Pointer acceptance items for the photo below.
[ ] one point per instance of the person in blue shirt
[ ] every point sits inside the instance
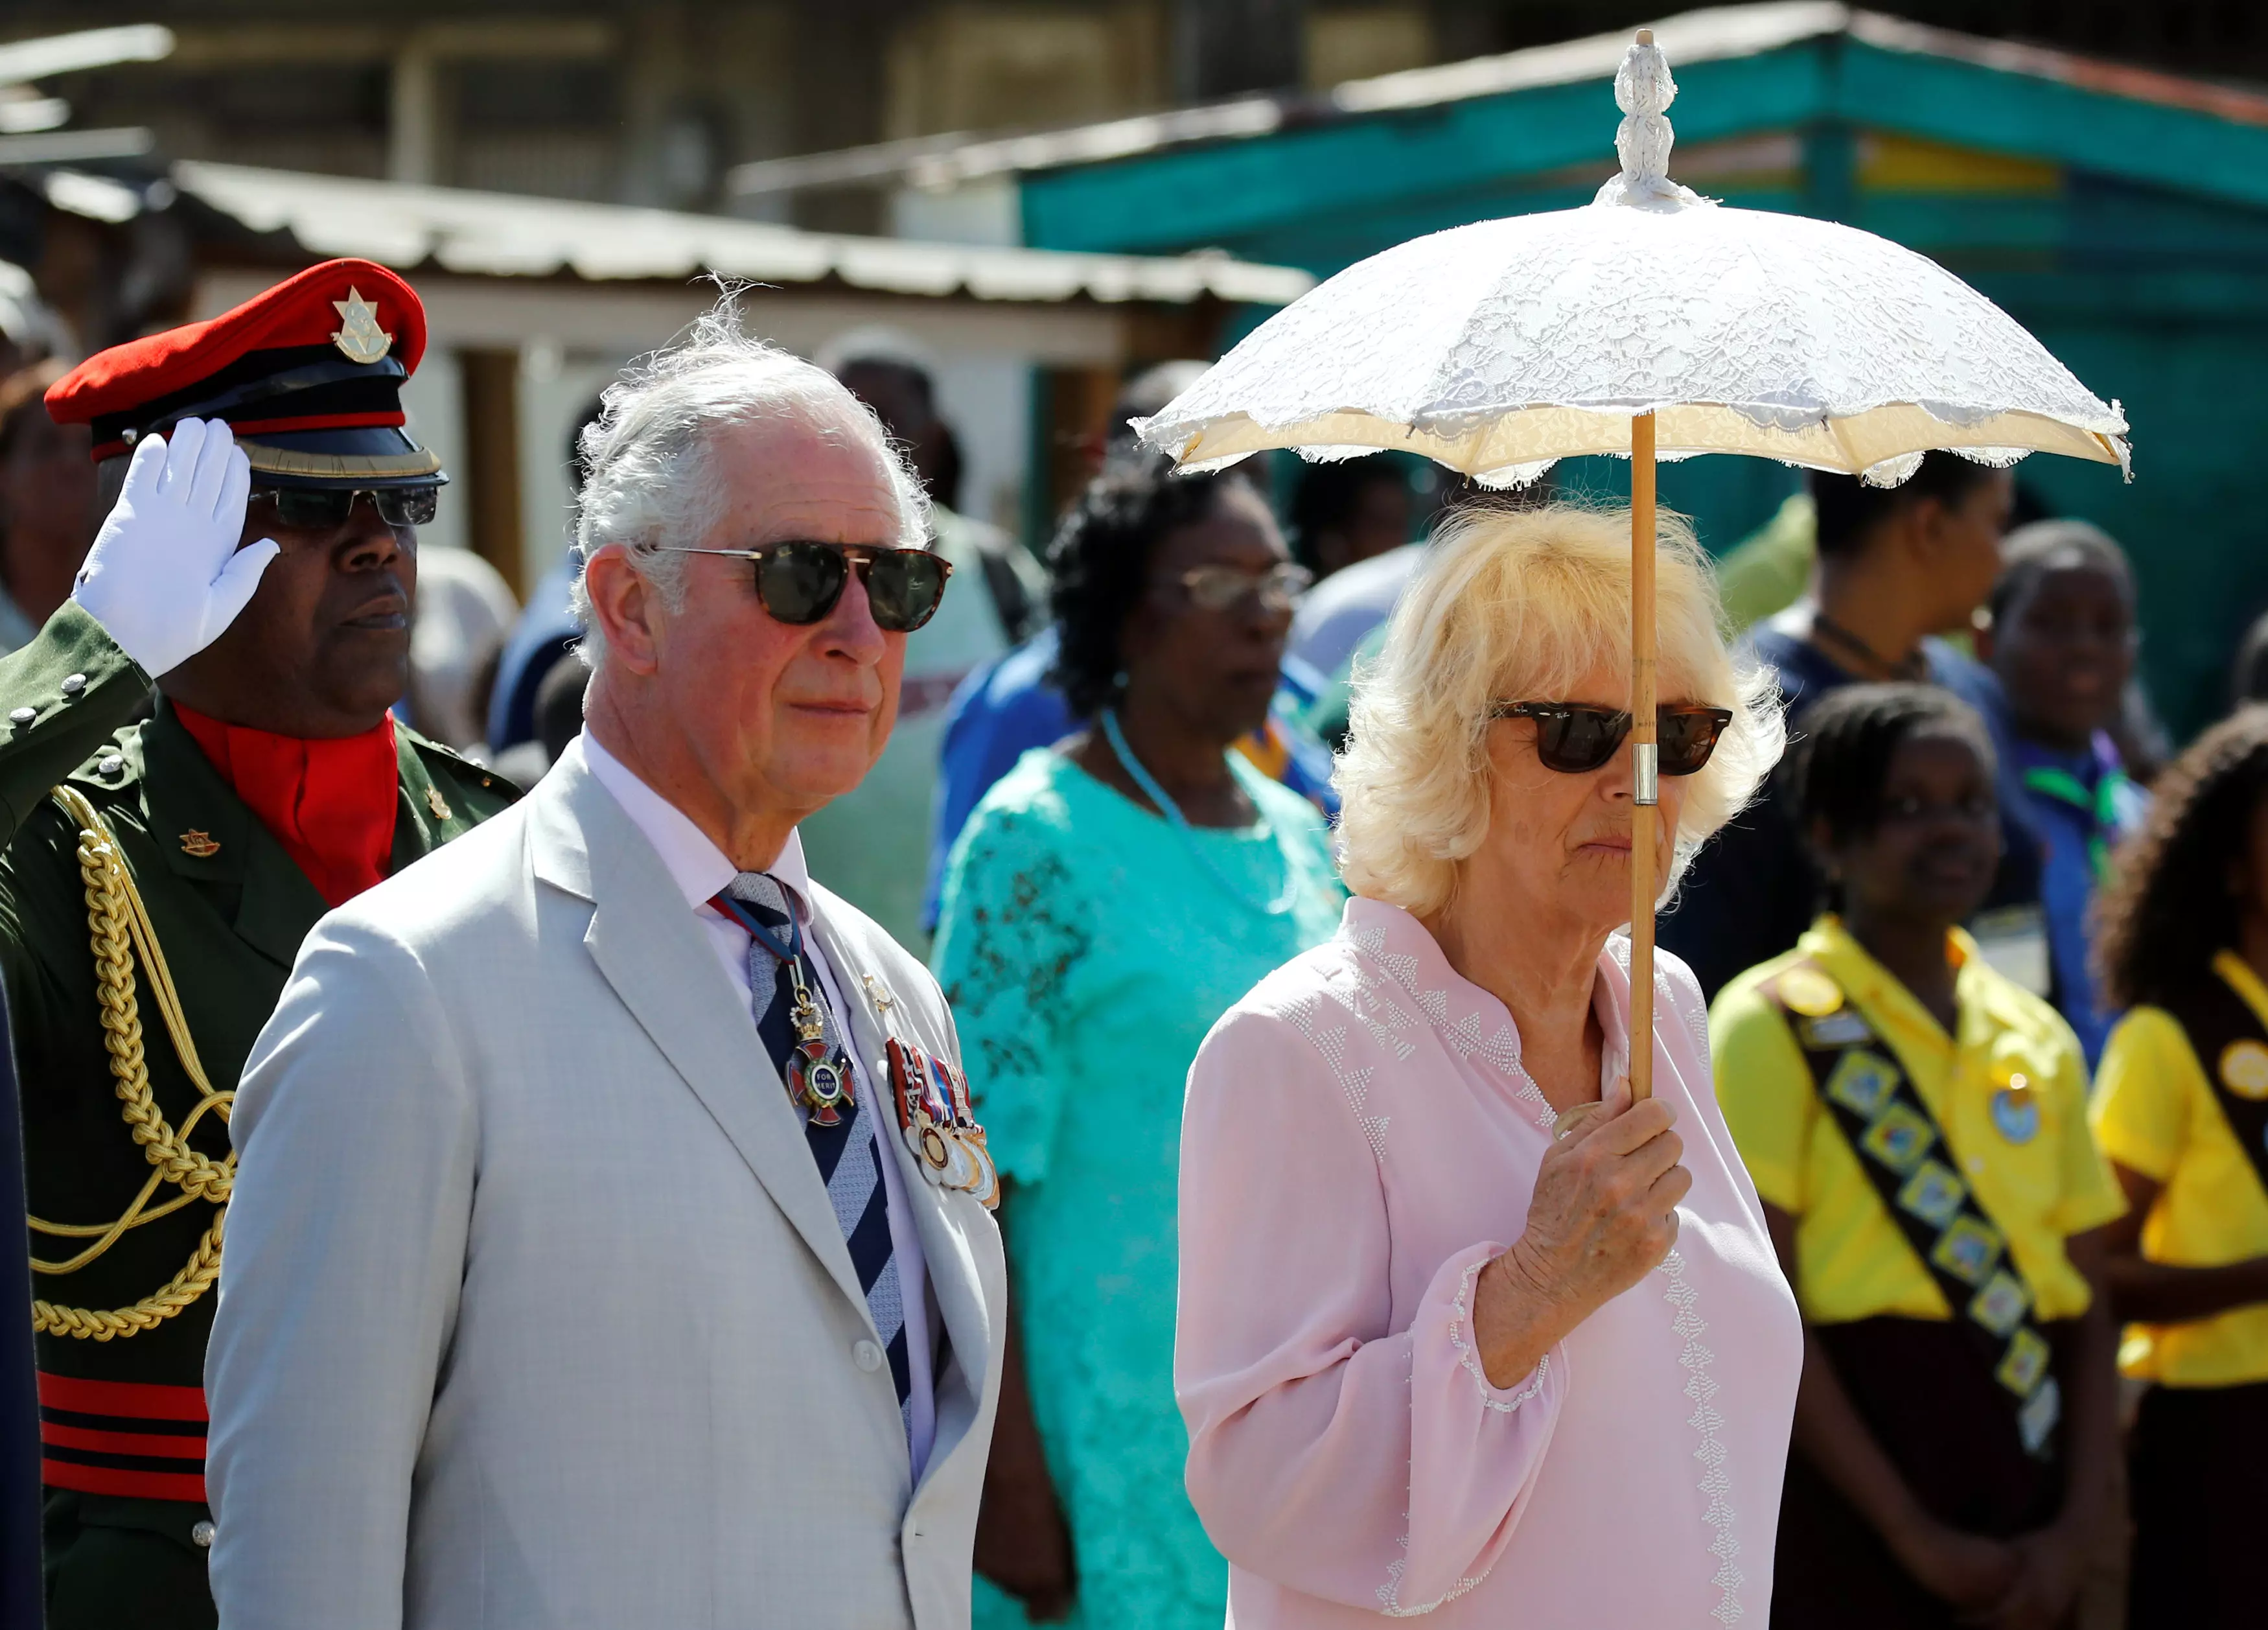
(1898, 567)
(2062, 643)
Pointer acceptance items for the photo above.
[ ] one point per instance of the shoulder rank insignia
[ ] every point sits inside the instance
(437, 804)
(202, 844)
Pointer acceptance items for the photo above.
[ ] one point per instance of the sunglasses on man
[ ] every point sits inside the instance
(800, 581)
(326, 509)
(1575, 737)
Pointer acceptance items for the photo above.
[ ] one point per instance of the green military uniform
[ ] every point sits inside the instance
(122, 1413)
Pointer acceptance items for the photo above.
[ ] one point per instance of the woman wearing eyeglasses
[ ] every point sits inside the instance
(1108, 900)
(1917, 1124)
(1465, 1332)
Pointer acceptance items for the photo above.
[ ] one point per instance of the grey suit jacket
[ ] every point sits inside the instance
(534, 1311)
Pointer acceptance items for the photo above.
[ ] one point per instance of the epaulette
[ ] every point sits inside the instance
(466, 772)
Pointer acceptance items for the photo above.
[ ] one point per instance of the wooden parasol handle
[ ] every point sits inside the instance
(1644, 753)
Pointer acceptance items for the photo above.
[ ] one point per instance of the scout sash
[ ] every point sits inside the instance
(2232, 1049)
(1905, 1155)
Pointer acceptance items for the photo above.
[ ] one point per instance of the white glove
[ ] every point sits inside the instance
(164, 577)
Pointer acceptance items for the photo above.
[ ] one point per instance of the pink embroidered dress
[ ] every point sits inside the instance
(1359, 1140)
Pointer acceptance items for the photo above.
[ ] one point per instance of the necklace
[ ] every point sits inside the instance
(1913, 667)
(1180, 823)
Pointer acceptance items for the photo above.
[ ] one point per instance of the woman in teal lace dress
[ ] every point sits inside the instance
(1110, 899)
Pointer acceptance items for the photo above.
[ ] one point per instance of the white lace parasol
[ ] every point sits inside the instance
(1500, 347)
(1654, 324)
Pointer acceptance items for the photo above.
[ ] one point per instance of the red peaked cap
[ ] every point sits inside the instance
(308, 375)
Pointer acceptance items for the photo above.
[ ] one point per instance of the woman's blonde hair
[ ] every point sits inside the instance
(1518, 605)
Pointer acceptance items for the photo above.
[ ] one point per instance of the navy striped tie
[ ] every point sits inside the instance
(848, 1159)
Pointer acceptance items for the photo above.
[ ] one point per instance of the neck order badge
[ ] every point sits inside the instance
(818, 1076)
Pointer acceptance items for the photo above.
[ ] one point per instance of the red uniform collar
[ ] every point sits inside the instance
(331, 803)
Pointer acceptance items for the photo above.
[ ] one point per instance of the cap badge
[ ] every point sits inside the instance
(359, 337)
(200, 844)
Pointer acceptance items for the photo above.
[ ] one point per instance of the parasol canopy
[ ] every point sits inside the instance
(1655, 324)
(1499, 347)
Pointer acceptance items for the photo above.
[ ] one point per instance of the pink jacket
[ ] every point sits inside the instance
(1359, 1140)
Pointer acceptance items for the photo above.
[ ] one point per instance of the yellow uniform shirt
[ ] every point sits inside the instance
(2155, 1114)
(1851, 1260)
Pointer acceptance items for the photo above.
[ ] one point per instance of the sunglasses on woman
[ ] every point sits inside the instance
(326, 509)
(1575, 737)
(800, 581)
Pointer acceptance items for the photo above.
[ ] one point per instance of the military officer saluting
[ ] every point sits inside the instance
(165, 858)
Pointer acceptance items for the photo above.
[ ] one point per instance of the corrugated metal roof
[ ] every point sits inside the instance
(1713, 33)
(508, 235)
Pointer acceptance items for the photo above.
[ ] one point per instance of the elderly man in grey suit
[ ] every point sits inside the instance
(583, 1269)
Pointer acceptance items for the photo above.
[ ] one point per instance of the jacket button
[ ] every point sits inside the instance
(73, 684)
(202, 1534)
(23, 715)
(867, 1357)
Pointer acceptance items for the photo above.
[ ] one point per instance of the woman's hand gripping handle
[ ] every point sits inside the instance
(1603, 1215)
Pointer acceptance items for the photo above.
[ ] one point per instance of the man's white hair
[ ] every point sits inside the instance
(650, 484)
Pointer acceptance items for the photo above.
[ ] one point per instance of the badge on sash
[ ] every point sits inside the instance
(2244, 1069)
(1810, 993)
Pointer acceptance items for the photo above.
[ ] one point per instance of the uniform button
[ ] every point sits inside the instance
(73, 684)
(111, 764)
(867, 1357)
(202, 1533)
(1976, 1165)
(23, 715)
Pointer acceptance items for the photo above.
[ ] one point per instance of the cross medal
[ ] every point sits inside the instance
(816, 1079)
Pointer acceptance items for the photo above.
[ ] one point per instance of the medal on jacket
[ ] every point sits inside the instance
(933, 1114)
(925, 1118)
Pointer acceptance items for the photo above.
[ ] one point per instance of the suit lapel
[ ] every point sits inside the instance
(648, 944)
(939, 1213)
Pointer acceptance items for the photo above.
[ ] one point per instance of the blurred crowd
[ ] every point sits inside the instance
(1975, 756)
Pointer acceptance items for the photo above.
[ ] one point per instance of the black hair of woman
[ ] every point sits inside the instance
(1850, 511)
(1840, 760)
(1099, 565)
(2175, 901)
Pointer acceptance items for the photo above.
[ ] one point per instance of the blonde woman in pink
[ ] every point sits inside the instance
(1463, 1331)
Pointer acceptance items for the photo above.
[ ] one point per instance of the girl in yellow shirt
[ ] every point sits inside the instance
(2182, 1110)
(1916, 1125)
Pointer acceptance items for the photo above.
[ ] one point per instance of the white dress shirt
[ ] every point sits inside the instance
(702, 871)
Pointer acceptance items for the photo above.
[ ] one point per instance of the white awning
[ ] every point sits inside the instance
(510, 235)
